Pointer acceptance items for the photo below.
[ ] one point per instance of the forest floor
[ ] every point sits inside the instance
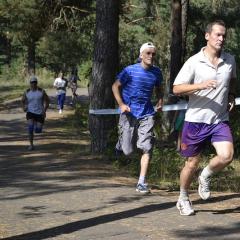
(60, 191)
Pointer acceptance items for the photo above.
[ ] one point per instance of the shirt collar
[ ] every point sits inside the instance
(204, 59)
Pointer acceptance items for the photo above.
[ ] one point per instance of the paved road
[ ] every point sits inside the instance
(60, 191)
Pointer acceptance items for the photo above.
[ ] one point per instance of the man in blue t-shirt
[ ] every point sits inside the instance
(133, 91)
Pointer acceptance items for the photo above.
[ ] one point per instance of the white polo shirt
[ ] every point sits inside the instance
(60, 84)
(209, 105)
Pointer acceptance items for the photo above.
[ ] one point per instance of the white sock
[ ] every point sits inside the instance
(183, 194)
(141, 180)
(206, 172)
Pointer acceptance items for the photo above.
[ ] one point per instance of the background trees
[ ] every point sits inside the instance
(46, 36)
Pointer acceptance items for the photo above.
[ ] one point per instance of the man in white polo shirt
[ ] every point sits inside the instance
(208, 78)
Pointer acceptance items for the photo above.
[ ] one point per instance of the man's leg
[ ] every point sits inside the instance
(126, 132)
(145, 143)
(223, 158)
(186, 177)
(59, 100)
(188, 172)
(30, 133)
(38, 127)
(63, 96)
(144, 167)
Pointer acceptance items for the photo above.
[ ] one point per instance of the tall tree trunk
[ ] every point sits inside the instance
(104, 69)
(176, 41)
(185, 6)
(31, 49)
(8, 52)
(177, 47)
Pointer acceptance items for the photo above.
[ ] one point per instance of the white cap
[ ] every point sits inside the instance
(146, 45)
(33, 79)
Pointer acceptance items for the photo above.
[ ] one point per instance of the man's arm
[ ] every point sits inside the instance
(232, 93)
(24, 102)
(55, 83)
(188, 89)
(46, 101)
(117, 94)
(159, 95)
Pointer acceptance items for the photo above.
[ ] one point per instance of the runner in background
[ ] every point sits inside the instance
(35, 103)
(72, 83)
(60, 83)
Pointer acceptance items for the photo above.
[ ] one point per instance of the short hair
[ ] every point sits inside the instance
(208, 28)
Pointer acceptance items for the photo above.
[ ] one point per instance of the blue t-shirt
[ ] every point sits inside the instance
(137, 88)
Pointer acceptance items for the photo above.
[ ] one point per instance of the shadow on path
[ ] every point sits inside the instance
(82, 224)
(211, 232)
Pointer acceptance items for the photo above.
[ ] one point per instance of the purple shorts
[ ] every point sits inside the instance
(195, 135)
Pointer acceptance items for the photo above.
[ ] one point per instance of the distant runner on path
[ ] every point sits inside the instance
(35, 103)
(60, 83)
(72, 83)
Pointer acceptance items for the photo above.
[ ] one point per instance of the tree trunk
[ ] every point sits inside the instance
(185, 5)
(104, 69)
(8, 52)
(176, 54)
(176, 41)
(31, 48)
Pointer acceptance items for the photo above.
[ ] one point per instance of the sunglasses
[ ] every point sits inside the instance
(151, 53)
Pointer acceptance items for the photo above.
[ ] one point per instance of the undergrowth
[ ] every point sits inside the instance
(166, 162)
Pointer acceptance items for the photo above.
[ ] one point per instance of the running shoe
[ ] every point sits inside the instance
(31, 147)
(142, 188)
(203, 188)
(185, 207)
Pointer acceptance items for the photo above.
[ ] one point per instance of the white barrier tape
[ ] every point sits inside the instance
(166, 108)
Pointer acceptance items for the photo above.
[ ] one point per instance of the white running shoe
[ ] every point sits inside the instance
(142, 188)
(60, 111)
(203, 188)
(185, 207)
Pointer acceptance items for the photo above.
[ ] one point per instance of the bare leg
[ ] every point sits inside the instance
(224, 156)
(144, 164)
(184, 204)
(30, 131)
(188, 172)
(141, 186)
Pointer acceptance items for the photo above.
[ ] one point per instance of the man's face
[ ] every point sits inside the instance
(148, 56)
(33, 85)
(217, 37)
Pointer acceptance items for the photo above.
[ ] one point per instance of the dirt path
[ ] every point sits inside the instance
(60, 191)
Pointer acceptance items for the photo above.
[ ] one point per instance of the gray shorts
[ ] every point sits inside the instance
(135, 132)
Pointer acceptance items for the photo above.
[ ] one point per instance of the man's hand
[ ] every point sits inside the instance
(159, 105)
(231, 102)
(124, 108)
(209, 84)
